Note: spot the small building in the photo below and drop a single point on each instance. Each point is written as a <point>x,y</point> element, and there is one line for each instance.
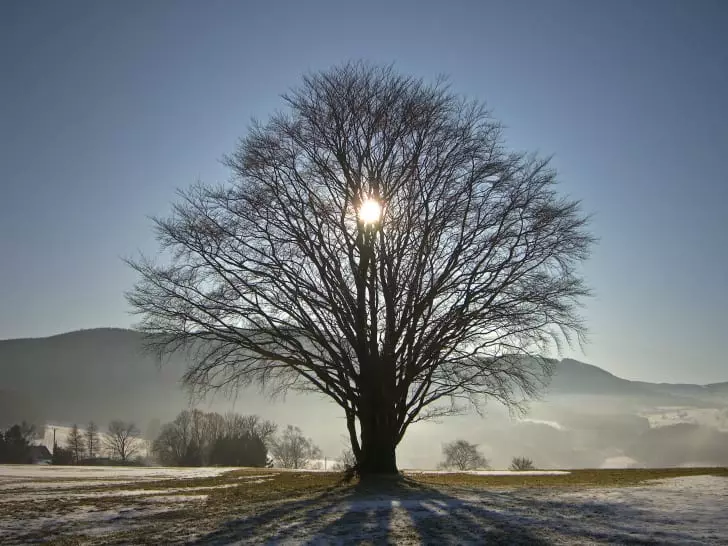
<point>40,455</point>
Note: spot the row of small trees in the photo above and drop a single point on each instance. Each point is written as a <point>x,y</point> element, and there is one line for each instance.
<point>198,438</point>
<point>121,442</point>
<point>462,455</point>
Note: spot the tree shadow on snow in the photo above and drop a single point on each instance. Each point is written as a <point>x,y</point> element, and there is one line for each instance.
<point>402,511</point>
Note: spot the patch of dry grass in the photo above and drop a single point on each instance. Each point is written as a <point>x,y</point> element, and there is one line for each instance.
<point>576,478</point>
<point>244,494</point>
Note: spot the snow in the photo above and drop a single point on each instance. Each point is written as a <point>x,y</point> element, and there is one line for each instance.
<point>109,474</point>
<point>685,510</point>
<point>52,493</point>
<point>94,522</point>
<point>29,484</point>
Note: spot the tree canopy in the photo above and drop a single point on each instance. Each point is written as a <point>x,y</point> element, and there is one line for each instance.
<point>463,260</point>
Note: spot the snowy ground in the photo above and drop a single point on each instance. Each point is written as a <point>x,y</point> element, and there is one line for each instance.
<point>111,473</point>
<point>203,506</point>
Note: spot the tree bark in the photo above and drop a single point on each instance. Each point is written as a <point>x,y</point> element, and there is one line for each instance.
<point>378,426</point>
<point>378,446</point>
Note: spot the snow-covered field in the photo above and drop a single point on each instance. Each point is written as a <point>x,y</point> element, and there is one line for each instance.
<point>215,506</point>
<point>22,472</point>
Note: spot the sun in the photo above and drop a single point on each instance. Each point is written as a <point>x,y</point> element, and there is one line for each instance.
<point>370,211</point>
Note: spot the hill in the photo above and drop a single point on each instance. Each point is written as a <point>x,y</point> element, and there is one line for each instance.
<point>105,374</point>
<point>588,416</point>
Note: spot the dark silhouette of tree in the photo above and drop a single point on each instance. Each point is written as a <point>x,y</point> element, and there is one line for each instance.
<point>377,244</point>
<point>122,440</point>
<point>169,447</point>
<point>196,438</point>
<point>63,456</point>
<point>462,455</point>
<point>15,444</point>
<point>239,425</point>
<point>244,450</point>
<point>76,443</point>
<point>522,463</point>
<point>92,439</point>
<point>293,449</point>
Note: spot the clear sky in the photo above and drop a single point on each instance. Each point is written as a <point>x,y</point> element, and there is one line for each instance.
<point>107,107</point>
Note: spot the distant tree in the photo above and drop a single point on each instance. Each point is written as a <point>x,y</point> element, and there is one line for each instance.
<point>193,455</point>
<point>237,425</point>
<point>202,436</point>
<point>293,450</point>
<point>92,439</point>
<point>15,445</point>
<point>346,461</point>
<point>63,456</point>
<point>197,438</point>
<point>178,443</point>
<point>245,450</point>
<point>169,447</point>
<point>122,440</point>
<point>522,463</point>
<point>462,455</point>
<point>76,443</point>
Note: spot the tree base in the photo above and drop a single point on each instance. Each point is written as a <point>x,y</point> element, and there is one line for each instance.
<point>371,476</point>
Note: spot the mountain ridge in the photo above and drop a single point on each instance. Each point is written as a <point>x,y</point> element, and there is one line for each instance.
<point>104,371</point>
<point>120,330</point>
<point>586,417</point>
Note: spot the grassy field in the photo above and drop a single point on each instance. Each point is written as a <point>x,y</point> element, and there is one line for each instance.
<point>256,505</point>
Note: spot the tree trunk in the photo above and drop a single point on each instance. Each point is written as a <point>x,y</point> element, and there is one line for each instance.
<point>378,444</point>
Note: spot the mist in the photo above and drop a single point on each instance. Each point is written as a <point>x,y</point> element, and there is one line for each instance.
<point>586,418</point>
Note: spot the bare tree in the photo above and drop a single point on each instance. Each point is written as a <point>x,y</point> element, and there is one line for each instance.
<point>76,443</point>
<point>346,461</point>
<point>174,445</point>
<point>191,438</point>
<point>379,245</point>
<point>92,439</point>
<point>122,440</point>
<point>463,455</point>
<point>239,425</point>
<point>293,449</point>
<point>522,463</point>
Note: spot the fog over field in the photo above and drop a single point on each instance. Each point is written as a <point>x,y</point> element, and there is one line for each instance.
<point>587,417</point>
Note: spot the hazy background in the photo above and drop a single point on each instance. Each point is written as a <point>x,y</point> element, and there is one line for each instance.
<point>107,107</point>
<point>587,417</point>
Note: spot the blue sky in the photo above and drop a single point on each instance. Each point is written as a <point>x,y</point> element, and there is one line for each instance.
<point>107,107</point>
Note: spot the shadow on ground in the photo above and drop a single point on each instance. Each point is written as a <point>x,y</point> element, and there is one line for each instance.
<point>408,512</point>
